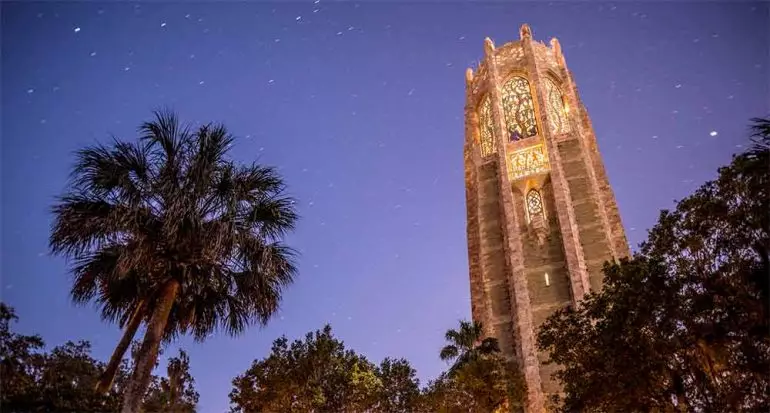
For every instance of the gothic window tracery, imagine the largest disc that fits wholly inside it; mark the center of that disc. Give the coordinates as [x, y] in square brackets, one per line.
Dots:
[534, 203]
[518, 109]
[555, 105]
[486, 127]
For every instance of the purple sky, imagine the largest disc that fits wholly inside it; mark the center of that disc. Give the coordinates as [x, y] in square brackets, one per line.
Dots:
[360, 105]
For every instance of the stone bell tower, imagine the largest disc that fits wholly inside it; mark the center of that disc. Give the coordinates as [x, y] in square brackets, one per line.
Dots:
[542, 218]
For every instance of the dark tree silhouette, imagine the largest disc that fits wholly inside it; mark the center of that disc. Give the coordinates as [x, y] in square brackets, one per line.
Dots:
[684, 324]
[317, 374]
[466, 344]
[170, 232]
[480, 379]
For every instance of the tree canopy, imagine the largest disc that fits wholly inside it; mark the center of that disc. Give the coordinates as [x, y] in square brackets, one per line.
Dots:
[318, 374]
[479, 379]
[683, 324]
[174, 393]
[63, 379]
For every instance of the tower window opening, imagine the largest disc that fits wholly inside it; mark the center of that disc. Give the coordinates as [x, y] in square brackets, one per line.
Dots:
[556, 108]
[547, 280]
[518, 109]
[534, 203]
[486, 127]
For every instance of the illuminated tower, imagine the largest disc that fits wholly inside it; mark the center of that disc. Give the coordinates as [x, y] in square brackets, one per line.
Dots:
[542, 218]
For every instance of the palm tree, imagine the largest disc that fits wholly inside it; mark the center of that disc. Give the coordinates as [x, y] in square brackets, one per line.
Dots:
[463, 348]
[479, 369]
[168, 231]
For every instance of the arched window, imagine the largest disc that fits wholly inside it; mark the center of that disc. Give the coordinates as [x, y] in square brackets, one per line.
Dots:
[485, 128]
[534, 203]
[557, 113]
[518, 109]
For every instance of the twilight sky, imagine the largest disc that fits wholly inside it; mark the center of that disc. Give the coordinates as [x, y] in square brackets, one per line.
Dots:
[360, 105]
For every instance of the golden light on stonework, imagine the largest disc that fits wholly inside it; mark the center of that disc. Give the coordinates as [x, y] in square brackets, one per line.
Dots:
[485, 128]
[557, 109]
[528, 161]
[518, 109]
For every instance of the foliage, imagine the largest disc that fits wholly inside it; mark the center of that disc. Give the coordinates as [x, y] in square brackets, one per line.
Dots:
[399, 389]
[67, 378]
[172, 230]
[176, 392]
[480, 378]
[18, 359]
[489, 383]
[318, 374]
[684, 325]
[63, 379]
[462, 346]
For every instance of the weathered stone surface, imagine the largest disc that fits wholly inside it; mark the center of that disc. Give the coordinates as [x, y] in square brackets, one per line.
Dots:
[512, 247]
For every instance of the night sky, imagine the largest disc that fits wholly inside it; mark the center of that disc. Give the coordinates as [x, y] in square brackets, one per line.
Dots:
[360, 105]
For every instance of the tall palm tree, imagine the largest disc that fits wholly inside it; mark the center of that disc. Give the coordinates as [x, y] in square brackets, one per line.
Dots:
[466, 344]
[168, 231]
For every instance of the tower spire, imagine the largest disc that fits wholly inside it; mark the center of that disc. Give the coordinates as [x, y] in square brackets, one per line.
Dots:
[525, 32]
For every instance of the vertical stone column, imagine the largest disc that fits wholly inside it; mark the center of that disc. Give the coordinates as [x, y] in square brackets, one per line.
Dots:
[567, 223]
[517, 283]
[581, 126]
[480, 307]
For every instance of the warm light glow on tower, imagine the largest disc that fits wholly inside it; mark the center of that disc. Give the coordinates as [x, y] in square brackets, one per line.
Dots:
[542, 217]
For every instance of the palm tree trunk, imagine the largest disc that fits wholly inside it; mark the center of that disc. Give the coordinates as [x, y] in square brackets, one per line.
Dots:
[108, 376]
[148, 354]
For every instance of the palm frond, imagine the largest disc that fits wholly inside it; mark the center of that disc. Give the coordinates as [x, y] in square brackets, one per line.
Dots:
[453, 336]
[173, 206]
[82, 223]
[448, 352]
[274, 217]
[120, 172]
[213, 141]
[760, 133]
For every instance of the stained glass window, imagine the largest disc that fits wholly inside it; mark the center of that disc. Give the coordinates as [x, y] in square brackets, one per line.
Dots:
[519, 109]
[485, 128]
[557, 114]
[528, 161]
[534, 203]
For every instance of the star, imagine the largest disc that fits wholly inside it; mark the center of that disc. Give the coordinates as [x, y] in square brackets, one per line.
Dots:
[713, 133]
[77, 29]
